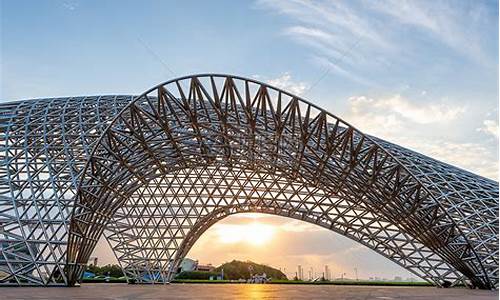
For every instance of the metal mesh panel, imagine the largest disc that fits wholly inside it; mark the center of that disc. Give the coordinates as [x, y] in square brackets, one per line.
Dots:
[155, 171]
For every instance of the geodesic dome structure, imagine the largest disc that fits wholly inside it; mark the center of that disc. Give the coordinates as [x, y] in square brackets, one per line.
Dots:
[153, 172]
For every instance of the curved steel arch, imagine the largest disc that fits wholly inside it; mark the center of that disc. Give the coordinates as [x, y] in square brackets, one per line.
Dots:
[232, 122]
[85, 160]
[137, 224]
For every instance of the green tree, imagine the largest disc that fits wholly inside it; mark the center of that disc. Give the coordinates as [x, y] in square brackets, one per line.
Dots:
[112, 270]
[199, 275]
[239, 269]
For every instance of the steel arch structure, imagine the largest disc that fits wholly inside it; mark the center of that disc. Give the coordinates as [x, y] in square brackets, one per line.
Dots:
[153, 172]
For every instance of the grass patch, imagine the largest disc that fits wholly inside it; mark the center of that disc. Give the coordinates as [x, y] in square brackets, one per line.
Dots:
[202, 281]
[346, 282]
[354, 282]
[102, 280]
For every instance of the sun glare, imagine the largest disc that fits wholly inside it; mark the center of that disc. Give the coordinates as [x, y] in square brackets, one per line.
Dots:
[254, 233]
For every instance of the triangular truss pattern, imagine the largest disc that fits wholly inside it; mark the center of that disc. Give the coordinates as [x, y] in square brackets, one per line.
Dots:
[153, 172]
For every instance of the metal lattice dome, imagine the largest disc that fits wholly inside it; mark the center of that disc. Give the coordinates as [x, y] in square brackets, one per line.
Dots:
[153, 172]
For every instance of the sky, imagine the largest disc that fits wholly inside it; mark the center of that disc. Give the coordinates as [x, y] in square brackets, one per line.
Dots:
[422, 74]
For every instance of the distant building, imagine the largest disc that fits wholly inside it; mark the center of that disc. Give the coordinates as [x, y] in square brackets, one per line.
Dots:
[205, 268]
[188, 265]
[327, 275]
[300, 273]
[258, 278]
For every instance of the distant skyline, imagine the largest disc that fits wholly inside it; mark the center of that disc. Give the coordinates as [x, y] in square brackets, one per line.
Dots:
[422, 74]
[290, 244]
[294, 243]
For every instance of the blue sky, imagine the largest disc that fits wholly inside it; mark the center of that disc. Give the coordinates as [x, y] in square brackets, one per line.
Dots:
[423, 74]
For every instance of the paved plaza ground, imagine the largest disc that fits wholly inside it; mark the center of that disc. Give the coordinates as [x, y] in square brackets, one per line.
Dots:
[241, 291]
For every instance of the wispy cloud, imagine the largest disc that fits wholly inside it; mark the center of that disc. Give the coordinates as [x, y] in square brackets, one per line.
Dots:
[489, 127]
[286, 82]
[337, 16]
[70, 4]
[379, 30]
[393, 118]
[456, 24]
[474, 157]
[335, 68]
[333, 30]
[400, 107]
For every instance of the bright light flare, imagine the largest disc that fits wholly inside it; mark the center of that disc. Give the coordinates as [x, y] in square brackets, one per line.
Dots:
[256, 234]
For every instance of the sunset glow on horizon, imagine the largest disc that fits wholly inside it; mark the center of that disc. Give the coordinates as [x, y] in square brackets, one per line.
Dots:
[283, 243]
[254, 233]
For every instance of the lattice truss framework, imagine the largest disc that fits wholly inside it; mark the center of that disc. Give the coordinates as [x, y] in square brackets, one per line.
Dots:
[154, 172]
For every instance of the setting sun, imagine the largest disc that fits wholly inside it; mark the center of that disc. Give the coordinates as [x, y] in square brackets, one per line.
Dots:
[253, 233]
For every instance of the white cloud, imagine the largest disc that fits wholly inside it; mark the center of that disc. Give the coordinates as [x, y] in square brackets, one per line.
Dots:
[335, 68]
[332, 47]
[336, 16]
[395, 107]
[395, 119]
[286, 83]
[309, 32]
[357, 36]
[470, 156]
[70, 4]
[451, 23]
[489, 127]
[335, 31]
